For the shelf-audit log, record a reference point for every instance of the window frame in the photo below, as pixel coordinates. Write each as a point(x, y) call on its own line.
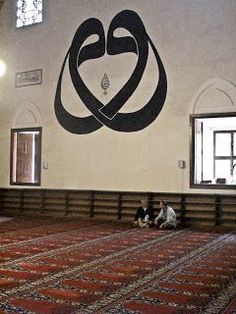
point(33, 129)
point(28, 25)
point(193, 117)
point(232, 157)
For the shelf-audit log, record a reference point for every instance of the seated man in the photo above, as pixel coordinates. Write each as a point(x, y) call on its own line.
point(166, 218)
point(144, 215)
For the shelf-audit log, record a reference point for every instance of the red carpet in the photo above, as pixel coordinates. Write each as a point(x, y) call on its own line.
point(77, 266)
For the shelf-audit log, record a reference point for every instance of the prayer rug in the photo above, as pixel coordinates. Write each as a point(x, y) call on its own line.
point(87, 266)
point(5, 219)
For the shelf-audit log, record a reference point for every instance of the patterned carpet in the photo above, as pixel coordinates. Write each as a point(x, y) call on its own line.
point(56, 266)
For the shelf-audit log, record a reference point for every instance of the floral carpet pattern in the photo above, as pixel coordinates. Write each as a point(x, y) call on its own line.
point(65, 266)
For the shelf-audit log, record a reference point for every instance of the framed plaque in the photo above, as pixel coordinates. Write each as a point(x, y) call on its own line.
point(27, 78)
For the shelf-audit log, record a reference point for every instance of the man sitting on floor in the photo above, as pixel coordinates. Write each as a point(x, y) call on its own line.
point(144, 215)
point(166, 218)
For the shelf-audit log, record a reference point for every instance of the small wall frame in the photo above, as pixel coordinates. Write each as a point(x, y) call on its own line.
point(32, 77)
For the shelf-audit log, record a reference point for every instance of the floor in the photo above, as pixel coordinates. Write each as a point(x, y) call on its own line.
point(73, 265)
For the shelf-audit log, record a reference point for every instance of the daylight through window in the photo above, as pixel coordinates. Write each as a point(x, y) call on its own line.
point(28, 12)
point(213, 151)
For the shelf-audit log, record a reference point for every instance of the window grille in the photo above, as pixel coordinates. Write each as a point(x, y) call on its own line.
point(28, 12)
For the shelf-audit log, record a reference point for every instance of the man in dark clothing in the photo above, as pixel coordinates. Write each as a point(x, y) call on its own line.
point(144, 215)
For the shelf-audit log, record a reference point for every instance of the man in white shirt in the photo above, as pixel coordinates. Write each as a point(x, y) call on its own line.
point(166, 218)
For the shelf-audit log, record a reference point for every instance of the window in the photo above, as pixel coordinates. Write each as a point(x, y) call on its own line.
point(28, 12)
point(213, 160)
point(25, 156)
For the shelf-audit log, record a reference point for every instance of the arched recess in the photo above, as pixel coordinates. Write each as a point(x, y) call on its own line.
point(27, 115)
point(215, 96)
point(26, 139)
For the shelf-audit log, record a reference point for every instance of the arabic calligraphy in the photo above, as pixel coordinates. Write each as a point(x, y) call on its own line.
point(108, 115)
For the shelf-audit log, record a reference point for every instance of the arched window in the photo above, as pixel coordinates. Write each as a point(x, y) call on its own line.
point(26, 138)
point(28, 12)
point(213, 137)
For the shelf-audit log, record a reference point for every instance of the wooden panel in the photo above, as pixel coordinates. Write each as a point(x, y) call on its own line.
point(106, 204)
point(200, 209)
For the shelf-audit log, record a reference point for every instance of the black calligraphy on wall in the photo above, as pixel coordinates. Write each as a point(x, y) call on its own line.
point(108, 115)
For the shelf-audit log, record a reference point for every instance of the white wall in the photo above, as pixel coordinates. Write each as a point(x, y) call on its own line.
point(196, 42)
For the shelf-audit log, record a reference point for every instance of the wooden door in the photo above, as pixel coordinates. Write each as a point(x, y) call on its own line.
point(24, 166)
